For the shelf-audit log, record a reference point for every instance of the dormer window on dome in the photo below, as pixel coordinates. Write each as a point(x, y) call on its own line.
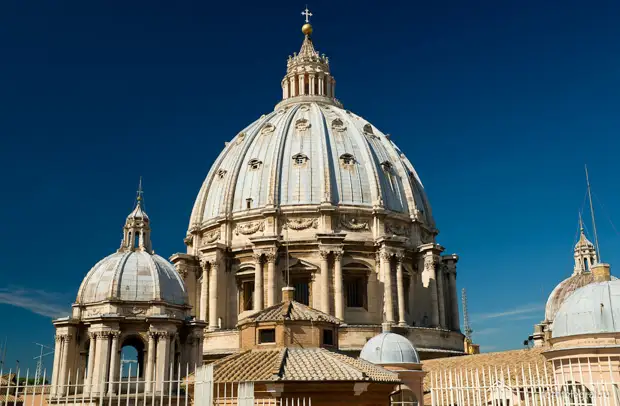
point(302, 124)
point(254, 164)
point(338, 125)
point(347, 160)
point(268, 129)
point(387, 166)
point(221, 173)
point(300, 159)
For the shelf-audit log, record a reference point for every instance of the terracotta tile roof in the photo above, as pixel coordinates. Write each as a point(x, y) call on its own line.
point(7, 399)
point(290, 310)
point(298, 364)
point(513, 360)
point(7, 378)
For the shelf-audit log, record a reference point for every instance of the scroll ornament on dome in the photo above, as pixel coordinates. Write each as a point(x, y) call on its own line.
point(189, 240)
point(268, 129)
point(240, 137)
point(249, 228)
point(353, 224)
point(301, 223)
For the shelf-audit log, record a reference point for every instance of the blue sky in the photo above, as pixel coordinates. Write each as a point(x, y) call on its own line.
point(497, 104)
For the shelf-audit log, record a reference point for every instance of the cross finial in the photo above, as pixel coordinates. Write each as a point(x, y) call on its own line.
point(307, 14)
point(580, 223)
point(140, 192)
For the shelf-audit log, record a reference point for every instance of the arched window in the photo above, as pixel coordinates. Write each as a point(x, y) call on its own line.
point(132, 357)
point(404, 397)
point(245, 289)
point(300, 159)
point(137, 240)
point(254, 164)
point(347, 159)
point(586, 266)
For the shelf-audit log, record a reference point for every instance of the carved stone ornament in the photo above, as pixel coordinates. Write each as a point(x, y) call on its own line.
point(394, 228)
point(211, 237)
point(338, 125)
point(135, 311)
point(189, 240)
point(369, 132)
point(304, 107)
point(301, 223)
point(268, 129)
point(93, 312)
point(240, 137)
point(353, 224)
point(249, 228)
point(302, 124)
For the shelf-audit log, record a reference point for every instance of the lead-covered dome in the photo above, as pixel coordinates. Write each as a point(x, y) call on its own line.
point(389, 348)
point(310, 151)
point(593, 309)
point(134, 273)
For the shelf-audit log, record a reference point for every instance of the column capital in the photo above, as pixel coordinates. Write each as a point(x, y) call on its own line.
point(324, 253)
point(115, 334)
point(271, 255)
point(338, 255)
point(152, 334)
point(385, 253)
point(257, 256)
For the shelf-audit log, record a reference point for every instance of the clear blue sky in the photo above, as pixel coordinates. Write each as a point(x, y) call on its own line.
point(497, 104)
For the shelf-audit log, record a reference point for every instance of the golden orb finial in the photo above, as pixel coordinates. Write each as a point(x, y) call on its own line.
point(306, 29)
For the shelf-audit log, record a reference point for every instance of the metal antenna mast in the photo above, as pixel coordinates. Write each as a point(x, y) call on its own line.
point(39, 358)
point(466, 325)
point(598, 250)
point(3, 354)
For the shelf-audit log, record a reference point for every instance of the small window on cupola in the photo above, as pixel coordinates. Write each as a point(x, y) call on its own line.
point(221, 173)
point(387, 166)
point(248, 203)
point(300, 159)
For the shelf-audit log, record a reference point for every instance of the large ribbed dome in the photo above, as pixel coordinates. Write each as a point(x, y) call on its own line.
point(308, 154)
point(134, 276)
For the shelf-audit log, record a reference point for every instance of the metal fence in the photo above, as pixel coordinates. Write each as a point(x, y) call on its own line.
point(563, 383)
point(196, 389)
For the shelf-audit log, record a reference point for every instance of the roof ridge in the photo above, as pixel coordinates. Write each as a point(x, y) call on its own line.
point(279, 366)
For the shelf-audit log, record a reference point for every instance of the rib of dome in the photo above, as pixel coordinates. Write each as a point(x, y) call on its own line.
point(296, 156)
point(133, 276)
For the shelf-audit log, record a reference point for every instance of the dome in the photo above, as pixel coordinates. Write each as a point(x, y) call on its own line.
point(564, 289)
point(389, 348)
point(308, 154)
point(134, 273)
point(135, 276)
point(593, 309)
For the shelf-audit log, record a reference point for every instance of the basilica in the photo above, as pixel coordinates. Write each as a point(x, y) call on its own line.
point(310, 215)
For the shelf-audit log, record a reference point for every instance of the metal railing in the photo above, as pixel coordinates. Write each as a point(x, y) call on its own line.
point(563, 383)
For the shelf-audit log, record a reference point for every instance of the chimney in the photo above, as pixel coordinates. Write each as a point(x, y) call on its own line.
point(288, 294)
point(601, 272)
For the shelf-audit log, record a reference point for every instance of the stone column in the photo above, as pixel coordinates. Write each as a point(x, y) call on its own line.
point(441, 299)
point(328, 86)
point(150, 363)
point(454, 300)
point(103, 361)
point(324, 281)
point(57, 363)
point(400, 289)
point(412, 286)
point(338, 292)
point(312, 79)
point(199, 347)
point(114, 363)
point(430, 265)
point(92, 345)
point(258, 280)
point(285, 89)
point(213, 310)
point(302, 88)
point(64, 365)
point(163, 352)
point(387, 286)
point(172, 367)
point(321, 85)
point(204, 293)
point(271, 278)
point(291, 81)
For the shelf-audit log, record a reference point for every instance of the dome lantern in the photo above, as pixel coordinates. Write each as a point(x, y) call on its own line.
point(137, 232)
point(585, 253)
point(308, 77)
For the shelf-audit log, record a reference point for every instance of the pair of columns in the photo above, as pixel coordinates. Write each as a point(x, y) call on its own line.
point(385, 266)
point(103, 369)
point(435, 270)
point(338, 282)
point(60, 373)
point(160, 361)
point(259, 289)
point(208, 293)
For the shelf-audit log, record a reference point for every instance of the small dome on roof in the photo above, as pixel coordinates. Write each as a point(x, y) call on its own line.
point(389, 348)
point(592, 309)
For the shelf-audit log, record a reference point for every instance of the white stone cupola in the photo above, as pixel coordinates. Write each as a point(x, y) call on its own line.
point(585, 253)
point(137, 230)
point(308, 77)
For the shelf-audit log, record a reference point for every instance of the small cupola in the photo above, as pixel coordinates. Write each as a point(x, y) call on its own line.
point(308, 76)
point(585, 253)
point(137, 230)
